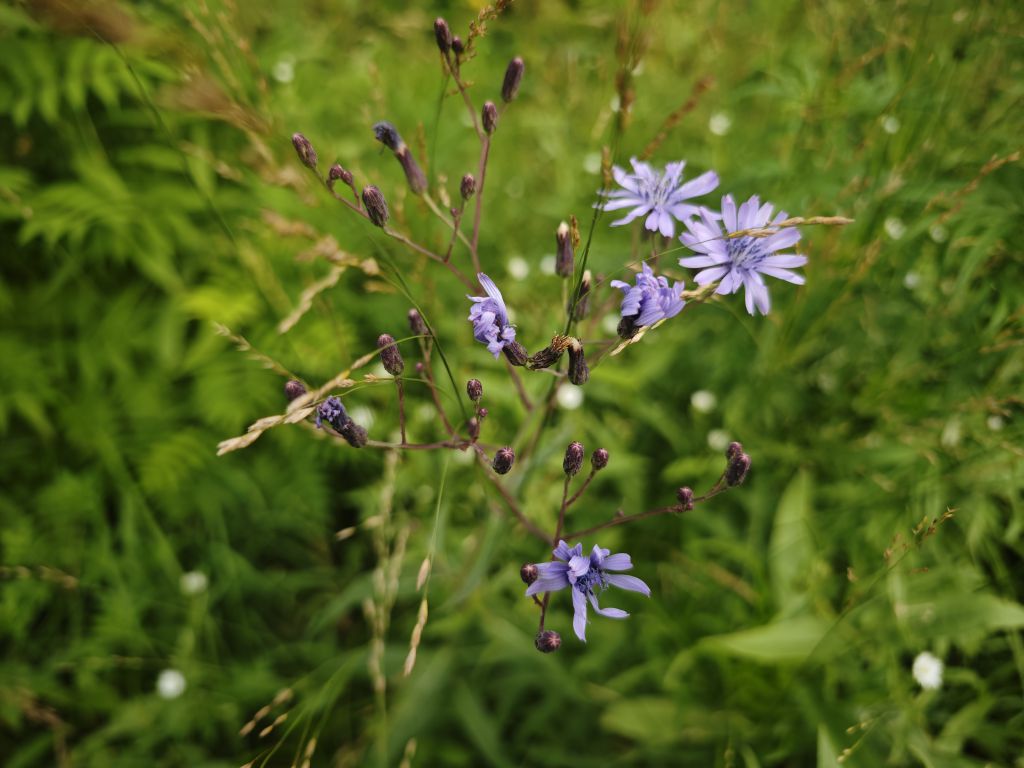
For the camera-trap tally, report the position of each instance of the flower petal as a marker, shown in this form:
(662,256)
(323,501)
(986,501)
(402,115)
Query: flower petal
(620,561)
(579,617)
(611,613)
(632,583)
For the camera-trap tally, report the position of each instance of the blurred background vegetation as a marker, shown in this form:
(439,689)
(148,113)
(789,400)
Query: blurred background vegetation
(148,191)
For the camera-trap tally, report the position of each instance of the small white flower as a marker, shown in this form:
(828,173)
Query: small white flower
(703,401)
(519,268)
(284,70)
(547,264)
(938,233)
(895,228)
(890,124)
(994,422)
(170,684)
(592,162)
(719,124)
(927,670)
(719,439)
(570,397)
(193,583)
(911,280)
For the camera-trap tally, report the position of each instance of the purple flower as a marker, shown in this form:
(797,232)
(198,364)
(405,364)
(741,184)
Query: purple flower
(659,196)
(742,261)
(586,576)
(490,317)
(332,411)
(651,299)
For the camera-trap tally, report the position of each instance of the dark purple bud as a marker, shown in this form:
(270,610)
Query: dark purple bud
(599,459)
(468,186)
(564,261)
(354,434)
(443,35)
(474,428)
(416,323)
(579,372)
(685,497)
(413,173)
(457,45)
(503,460)
(529,573)
(482,413)
(474,389)
(420,367)
(294,389)
(573,458)
(304,150)
(734,450)
(627,327)
(388,135)
(583,300)
(376,206)
(490,116)
(545,358)
(513,77)
(548,641)
(516,353)
(737,470)
(390,357)
(336,174)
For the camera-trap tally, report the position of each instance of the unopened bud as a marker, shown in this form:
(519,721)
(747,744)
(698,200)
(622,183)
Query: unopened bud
(490,116)
(390,357)
(579,372)
(354,434)
(737,470)
(474,389)
(516,353)
(548,641)
(443,35)
(304,150)
(573,458)
(482,413)
(416,323)
(376,206)
(599,459)
(685,497)
(336,174)
(413,173)
(294,389)
(503,460)
(388,135)
(529,573)
(564,261)
(734,450)
(583,299)
(513,77)
(420,367)
(545,358)
(468,186)
(457,45)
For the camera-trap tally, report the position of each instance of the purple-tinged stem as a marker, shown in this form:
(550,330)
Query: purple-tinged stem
(523,397)
(401,407)
(485,148)
(561,512)
(582,488)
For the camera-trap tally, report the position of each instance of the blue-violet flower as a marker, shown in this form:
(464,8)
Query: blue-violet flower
(490,318)
(659,196)
(586,576)
(742,261)
(332,411)
(651,299)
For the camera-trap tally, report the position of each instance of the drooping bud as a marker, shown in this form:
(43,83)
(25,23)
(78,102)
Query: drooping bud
(468,186)
(413,173)
(550,355)
(443,35)
(336,174)
(354,434)
(333,412)
(294,389)
(513,77)
(529,573)
(474,389)
(734,450)
(627,327)
(548,641)
(599,459)
(304,150)
(583,300)
(457,45)
(573,460)
(490,116)
(564,261)
(503,460)
(579,371)
(516,353)
(376,206)
(388,135)
(416,323)
(390,357)
(737,470)
(685,497)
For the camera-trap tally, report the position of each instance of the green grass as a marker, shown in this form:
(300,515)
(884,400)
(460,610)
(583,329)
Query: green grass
(148,191)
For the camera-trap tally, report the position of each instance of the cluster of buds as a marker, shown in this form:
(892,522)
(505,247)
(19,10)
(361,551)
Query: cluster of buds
(739,465)
(333,412)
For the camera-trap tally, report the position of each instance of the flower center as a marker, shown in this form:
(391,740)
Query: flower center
(746,252)
(591,580)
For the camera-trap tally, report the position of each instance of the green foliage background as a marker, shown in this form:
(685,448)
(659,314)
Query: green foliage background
(148,191)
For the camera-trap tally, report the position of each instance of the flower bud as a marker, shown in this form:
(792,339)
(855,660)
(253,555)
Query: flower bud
(529,573)
(734,450)
(354,434)
(388,135)
(627,327)
(685,497)
(737,470)
(474,389)
(544,359)
(516,353)
(443,35)
(564,257)
(503,460)
(482,413)
(599,459)
(573,458)
(376,206)
(294,389)
(457,45)
(304,150)
(416,323)
(414,175)
(337,173)
(548,641)
(579,372)
(583,299)
(513,77)
(468,186)
(489,116)
(390,357)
